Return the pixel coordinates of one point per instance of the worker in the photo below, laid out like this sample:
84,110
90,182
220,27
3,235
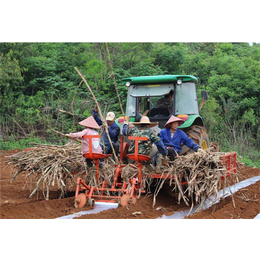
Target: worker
153,146
172,137
113,130
166,101
90,125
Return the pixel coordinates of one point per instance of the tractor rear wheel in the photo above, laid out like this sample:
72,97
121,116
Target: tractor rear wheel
199,135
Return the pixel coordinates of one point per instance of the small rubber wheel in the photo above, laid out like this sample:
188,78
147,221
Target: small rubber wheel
80,201
124,200
91,203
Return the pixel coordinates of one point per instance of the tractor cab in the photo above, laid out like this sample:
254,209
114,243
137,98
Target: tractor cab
145,93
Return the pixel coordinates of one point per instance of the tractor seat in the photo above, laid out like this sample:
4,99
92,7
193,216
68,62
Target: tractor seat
95,156
159,111
135,156
139,157
90,154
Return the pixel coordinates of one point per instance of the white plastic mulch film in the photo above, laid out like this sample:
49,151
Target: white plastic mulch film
101,206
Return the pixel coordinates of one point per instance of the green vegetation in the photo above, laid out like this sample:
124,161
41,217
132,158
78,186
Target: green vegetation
40,89
19,144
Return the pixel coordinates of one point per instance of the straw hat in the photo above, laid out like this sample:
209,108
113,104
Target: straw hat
173,119
90,122
145,121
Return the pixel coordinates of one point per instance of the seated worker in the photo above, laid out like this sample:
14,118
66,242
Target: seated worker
90,125
153,146
166,101
113,130
172,137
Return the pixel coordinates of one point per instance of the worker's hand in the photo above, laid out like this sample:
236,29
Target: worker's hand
201,150
126,121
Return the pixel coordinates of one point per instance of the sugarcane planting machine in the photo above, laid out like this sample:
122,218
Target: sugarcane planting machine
143,94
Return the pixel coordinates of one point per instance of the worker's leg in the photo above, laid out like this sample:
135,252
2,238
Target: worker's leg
116,149
154,152
115,146
172,153
89,163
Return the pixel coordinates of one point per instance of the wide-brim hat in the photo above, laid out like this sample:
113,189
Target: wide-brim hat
173,119
90,122
145,121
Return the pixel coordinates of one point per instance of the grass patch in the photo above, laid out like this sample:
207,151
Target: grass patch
19,144
249,161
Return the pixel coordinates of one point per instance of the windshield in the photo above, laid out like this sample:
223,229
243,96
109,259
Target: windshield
186,101
141,98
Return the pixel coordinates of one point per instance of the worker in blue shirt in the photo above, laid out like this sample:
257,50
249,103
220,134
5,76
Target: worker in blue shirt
172,137
113,130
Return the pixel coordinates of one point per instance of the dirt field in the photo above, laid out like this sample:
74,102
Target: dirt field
16,204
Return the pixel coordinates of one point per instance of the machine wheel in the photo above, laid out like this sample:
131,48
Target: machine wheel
80,201
199,135
124,200
91,203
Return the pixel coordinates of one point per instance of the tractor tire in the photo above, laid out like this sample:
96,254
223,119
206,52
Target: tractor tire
199,135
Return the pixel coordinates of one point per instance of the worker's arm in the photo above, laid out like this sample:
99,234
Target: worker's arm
77,134
161,148
163,136
189,142
96,117
126,130
160,145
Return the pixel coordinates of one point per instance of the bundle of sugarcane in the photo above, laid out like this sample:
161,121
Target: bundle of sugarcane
202,171
106,173
49,166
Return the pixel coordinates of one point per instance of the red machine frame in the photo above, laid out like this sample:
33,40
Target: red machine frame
120,187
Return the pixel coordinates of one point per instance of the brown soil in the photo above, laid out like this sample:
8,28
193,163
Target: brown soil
16,204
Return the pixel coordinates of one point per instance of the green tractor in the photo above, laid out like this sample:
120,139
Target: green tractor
145,91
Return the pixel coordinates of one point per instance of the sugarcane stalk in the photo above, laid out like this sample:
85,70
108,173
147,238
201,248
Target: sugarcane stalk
57,132
99,111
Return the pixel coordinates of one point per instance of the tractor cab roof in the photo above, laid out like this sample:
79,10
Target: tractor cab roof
159,79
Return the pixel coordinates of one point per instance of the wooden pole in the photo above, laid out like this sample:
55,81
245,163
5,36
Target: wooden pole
104,123
59,133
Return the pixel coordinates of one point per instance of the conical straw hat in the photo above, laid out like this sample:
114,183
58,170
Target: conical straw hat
173,119
90,122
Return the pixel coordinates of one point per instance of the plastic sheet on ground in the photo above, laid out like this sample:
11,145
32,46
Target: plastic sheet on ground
257,216
213,200
99,206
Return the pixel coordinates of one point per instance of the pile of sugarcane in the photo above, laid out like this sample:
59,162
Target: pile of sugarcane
203,173
49,166
54,167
